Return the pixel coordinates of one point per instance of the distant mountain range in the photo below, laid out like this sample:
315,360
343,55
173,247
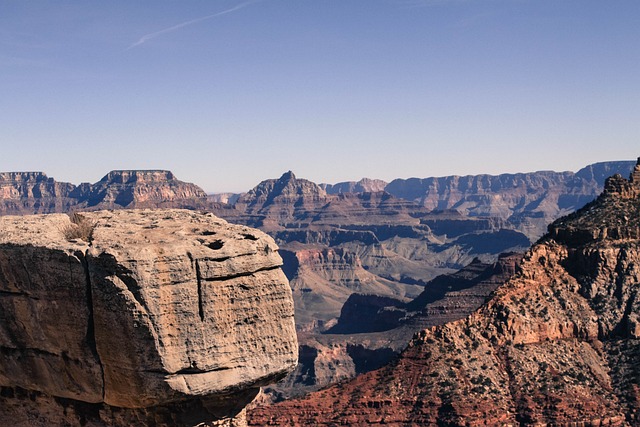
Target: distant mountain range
524,199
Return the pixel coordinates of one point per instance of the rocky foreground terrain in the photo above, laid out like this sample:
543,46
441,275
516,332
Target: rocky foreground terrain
138,317
558,344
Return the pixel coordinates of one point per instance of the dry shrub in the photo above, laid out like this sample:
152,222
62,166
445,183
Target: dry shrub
80,228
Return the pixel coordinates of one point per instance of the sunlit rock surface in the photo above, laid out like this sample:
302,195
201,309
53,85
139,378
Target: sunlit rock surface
156,317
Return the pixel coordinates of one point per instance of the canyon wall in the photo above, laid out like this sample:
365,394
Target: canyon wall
33,192
558,344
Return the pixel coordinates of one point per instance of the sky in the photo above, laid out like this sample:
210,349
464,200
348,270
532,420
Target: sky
227,93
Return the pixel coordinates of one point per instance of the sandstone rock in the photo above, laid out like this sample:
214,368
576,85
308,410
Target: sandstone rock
161,312
33,192
365,185
139,189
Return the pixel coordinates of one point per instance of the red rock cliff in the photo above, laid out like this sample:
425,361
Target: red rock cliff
558,344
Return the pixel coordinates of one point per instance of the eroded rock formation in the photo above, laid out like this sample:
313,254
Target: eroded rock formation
529,201
148,317
352,237
139,189
558,344
372,330
33,192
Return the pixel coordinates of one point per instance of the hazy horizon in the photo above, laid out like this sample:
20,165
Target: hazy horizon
228,93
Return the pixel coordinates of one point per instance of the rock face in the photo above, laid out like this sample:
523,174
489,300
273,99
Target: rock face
522,197
139,189
558,344
163,317
365,185
33,192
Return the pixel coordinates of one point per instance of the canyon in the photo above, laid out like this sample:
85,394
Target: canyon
391,249
557,344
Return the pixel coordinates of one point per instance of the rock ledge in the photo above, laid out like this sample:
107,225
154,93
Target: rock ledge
165,317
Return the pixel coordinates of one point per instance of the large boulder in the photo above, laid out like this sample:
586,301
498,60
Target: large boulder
146,317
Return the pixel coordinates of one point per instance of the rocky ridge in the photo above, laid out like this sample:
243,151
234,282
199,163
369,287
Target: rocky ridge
146,317
372,330
365,185
529,201
558,344
34,192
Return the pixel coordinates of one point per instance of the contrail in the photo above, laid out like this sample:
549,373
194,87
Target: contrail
150,36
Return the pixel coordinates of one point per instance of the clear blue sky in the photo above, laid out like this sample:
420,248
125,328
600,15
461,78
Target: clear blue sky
227,93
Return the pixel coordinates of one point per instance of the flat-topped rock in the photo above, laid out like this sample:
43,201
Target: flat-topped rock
152,308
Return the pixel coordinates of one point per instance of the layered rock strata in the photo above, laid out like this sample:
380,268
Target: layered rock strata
372,330
139,189
163,317
33,192
558,344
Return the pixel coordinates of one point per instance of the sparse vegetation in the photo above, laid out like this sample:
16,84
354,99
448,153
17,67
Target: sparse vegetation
80,228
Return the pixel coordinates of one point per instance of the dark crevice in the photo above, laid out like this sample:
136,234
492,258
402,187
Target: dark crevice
622,328
199,280
234,276
222,259
15,294
38,351
190,371
520,405
26,271
90,336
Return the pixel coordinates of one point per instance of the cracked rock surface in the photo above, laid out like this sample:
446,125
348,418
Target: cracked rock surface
164,317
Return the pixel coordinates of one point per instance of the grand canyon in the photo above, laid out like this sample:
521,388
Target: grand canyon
413,302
